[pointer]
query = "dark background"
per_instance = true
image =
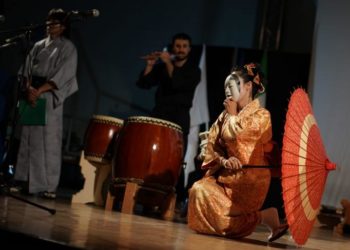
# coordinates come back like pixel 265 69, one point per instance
pixel 110 47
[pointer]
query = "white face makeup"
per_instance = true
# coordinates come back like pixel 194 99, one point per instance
pixel 232 86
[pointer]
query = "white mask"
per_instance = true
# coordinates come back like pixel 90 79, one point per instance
pixel 232 87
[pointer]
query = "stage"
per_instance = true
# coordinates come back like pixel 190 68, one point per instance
pixel 84 226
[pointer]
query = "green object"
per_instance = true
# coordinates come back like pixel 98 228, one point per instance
pixel 29 115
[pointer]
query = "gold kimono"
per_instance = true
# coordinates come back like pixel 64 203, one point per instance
pixel 227 202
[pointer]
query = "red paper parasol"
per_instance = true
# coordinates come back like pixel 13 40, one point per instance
pixel 305 167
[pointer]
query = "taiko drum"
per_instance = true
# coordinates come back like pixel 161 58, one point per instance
pixel 99 138
pixel 150 150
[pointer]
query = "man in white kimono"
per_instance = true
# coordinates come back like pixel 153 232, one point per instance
pixel 50 71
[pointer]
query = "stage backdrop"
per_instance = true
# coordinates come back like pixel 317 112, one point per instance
pixel 330 90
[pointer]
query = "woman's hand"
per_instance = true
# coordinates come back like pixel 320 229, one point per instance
pixel 231 163
pixel 230 106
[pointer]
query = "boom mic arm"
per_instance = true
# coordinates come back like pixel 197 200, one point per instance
pixel 87 13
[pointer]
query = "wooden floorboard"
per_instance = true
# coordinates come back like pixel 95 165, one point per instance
pixel 85 226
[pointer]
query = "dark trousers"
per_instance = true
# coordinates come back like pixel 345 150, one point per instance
pixel 346 229
pixel 181 191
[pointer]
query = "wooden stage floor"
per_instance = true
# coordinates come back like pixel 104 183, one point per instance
pixel 82 226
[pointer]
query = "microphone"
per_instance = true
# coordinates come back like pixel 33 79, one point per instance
pixel 2 18
pixel 15 38
pixel 87 13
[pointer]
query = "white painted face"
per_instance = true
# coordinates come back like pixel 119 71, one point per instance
pixel 232 86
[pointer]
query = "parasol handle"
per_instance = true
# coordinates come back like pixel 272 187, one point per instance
pixel 258 166
pixel 329 166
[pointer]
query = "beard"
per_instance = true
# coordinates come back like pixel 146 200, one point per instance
pixel 181 57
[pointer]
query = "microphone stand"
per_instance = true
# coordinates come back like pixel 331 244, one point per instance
pixel 4 189
pixel 25 38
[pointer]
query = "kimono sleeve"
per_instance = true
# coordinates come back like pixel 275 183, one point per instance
pixel 252 128
pixel 215 149
pixel 64 76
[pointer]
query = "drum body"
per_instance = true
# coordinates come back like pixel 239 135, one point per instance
pixel 99 138
pixel 150 150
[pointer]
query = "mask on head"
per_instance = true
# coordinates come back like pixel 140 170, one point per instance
pixel 232 87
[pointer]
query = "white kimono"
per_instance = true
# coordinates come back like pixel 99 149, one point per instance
pixel 39 156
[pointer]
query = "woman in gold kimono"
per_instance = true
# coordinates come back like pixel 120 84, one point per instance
pixel 227 200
